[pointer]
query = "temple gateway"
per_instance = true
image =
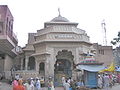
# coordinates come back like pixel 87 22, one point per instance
pixel 54 50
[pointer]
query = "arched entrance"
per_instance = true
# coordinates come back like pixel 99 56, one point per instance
pixel 42 68
pixel 31 63
pixel 63 66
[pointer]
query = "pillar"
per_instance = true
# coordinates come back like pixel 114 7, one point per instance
pixel 21 64
pixel 49 67
pixel 26 62
pixel 37 66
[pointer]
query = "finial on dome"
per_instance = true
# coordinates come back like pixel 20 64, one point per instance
pixel 59 11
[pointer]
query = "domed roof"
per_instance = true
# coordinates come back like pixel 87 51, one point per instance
pixel 59 19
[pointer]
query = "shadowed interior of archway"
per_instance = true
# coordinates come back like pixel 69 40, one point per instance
pixel 63 66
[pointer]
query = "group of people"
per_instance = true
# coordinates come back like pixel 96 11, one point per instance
pixel 70 84
pixel 104 81
pixel 29 84
pixel 107 80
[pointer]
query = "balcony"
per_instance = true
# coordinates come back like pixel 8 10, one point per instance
pixel 7 45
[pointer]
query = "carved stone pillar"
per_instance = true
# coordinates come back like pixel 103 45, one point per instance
pixel 26 62
pixel 21 64
pixel 47 68
pixel 37 66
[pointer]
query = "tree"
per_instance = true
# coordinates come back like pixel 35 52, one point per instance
pixel 116 40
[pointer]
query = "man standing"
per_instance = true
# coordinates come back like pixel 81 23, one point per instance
pixel 66 85
pixel 37 84
pixel 106 81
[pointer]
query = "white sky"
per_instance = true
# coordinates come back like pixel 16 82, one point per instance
pixel 30 15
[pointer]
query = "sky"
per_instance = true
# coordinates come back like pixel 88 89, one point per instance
pixel 30 15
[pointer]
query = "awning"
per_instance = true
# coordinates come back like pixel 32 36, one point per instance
pixel 91 68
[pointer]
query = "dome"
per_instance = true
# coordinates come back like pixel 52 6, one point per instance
pixel 59 19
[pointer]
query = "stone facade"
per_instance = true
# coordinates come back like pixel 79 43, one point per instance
pixel 51 52
pixel 8 41
pixel 104 54
pixel 55 50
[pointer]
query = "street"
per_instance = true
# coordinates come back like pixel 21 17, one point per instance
pixel 5 86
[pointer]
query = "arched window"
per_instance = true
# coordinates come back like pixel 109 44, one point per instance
pixel 31 63
pixel 24 64
pixel 41 67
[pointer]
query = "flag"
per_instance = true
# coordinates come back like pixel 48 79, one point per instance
pixel 111 68
pixel 103 70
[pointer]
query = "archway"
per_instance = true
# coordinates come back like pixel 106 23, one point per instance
pixel 31 63
pixel 41 68
pixel 63 66
pixel 24 64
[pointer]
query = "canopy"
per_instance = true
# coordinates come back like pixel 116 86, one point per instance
pixel 91 68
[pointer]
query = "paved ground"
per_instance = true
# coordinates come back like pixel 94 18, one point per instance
pixel 115 87
pixel 5 86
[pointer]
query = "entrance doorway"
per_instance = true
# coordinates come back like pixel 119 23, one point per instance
pixel 63 66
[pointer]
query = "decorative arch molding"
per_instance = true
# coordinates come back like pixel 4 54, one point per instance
pixel 65 54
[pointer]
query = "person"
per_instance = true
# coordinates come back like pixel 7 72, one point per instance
pixel 100 82
pixel 50 84
pixel 69 80
pixel 28 85
pixel 66 85
pixel 63 80
pixel 17 77
pixel 73 85
pixel 118 78
pixel 79 83
pixel 106 81
pixel 32 81
pixel 37 84
pixel 42 81
pixel 14 83
pixel 19 86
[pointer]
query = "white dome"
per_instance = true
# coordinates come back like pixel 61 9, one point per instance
pixel 59 19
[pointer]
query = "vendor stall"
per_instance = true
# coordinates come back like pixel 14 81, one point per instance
pixel 91 74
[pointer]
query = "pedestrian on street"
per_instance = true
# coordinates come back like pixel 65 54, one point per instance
pixel 106 82
pixel 37 84
pixel 15 83
pixel 118 78
pixel 79 83
pixel 63 80
pixel 28 85
pixel 100 82
pixel 19 86
pixel 50 84
pixel 67 85
pixel 42 81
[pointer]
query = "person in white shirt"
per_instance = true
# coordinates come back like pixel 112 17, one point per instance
pixel 106 81
pixel 100 81
pixel 63 80
pixel 37 84
pixel 66 85
pixel 28 85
